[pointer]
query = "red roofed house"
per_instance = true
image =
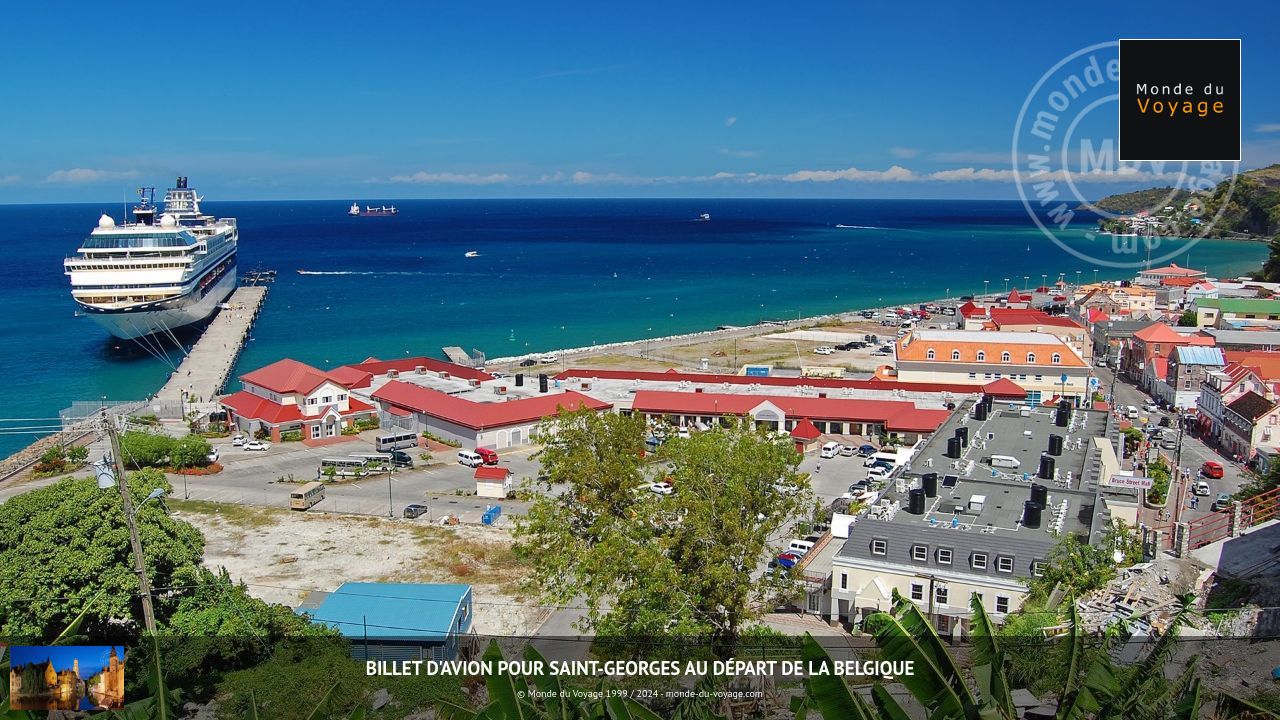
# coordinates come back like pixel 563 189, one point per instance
pixel 1154 276
pixel 1156 340
pixel 838 416
pixel 493 425
pixel 1244 373
pixel 416 365
pixel 493 481
pixel 806 435
pixel 1069 331
pixel 288 395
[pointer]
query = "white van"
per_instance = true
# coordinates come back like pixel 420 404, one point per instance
pixel 830 450
pixel 1004 461
pixel 881 457
pixel 800 547
pixel 877 473
pixel 470 458
pixel 1131 412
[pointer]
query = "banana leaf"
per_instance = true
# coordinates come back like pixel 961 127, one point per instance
pixel 829 694
pixel 929 684
pixel 503 692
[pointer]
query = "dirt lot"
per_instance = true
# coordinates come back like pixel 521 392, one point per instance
pixel 282 555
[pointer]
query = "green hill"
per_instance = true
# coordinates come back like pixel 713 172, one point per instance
pixel 1132 202
pixel 1252 209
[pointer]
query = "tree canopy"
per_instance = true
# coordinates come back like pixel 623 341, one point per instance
pixel 652 565
pixel 61 544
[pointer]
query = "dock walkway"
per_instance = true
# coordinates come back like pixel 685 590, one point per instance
pixel 204 372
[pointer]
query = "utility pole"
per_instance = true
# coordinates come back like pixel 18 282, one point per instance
pixel 135 542
pixel 1177 468
pixel 391 470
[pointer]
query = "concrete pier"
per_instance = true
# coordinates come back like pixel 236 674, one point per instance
pixel 206 369
pixel 458 356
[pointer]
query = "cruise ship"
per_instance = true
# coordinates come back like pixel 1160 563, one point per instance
pixel 160 271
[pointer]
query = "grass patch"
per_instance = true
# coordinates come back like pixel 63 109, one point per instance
pixel 239 515
pixel 1229 593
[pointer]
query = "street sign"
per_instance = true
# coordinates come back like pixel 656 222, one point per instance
pixel 1131 481
pixel 1063 378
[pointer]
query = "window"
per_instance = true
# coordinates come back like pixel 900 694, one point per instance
pixel 1039 378
pixel 844 581
pixel 955 354
pixel 978 561
pixel 986 376
pixel 1031 358
pixel 917 591
pixel 944 556
pixel 326 399
pixel 1004 563
pixel 919 553
pixel 982 356
pixel 1056 359
pixel 1037 568
pixel 973 375
pixel 1005 356
pixel 815 602
pixel 342 396
pixel 1002 604
pixel 879 547
pixel 940 594
pixel 311 401
pixel 928 355
pixel 315 431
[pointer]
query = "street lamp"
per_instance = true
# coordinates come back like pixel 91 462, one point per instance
pixel 985 283
pixel 1006 286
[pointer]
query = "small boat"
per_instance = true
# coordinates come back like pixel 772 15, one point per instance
pixel 370 211
pixel 472 253
pixel 704 217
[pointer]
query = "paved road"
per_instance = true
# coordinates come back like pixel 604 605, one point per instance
pixel 1194 454
pixel 263 479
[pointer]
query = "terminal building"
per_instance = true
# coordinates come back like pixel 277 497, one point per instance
pixel 977 510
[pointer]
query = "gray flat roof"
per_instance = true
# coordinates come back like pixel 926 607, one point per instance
pixel 979 506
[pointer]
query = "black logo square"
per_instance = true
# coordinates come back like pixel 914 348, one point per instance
pixel 1180 100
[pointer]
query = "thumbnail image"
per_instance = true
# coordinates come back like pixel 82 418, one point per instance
pixel 71 677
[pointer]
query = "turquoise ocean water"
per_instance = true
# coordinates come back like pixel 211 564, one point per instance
pixel 550 274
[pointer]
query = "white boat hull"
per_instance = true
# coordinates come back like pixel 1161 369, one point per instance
pixel 184 311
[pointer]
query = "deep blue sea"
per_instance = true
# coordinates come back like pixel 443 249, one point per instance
pixel 550 274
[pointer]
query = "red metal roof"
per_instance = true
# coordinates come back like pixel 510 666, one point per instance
pixel 1014 316
pixel 894 414
pixel 492 472
pixel 247 405
pixel 1004 388
pixel 805 430
pixel 480 415
pixel 1171 270
pixel 374 366
pixel 351 377
pixel 672 375
pixel 1161 333
pixel 288 376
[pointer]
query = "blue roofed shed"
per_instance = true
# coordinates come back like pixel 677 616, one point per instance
pixel 396 621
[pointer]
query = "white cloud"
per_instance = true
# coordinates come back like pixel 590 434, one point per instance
pixel 739 153
pixel 904 152
pixel 729 121
pixel 86 175
pixel 896 173
pixel 970 174
pixel 10 180
pixel 421 177
pixel 1267 128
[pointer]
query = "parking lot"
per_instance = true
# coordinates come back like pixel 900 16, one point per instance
pixel 265 478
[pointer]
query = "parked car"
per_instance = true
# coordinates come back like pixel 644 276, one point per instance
pixel 829 450
pixel 1222 502
pixel 866 450
pixel 1201 488
pixel 415 510
pixel 878 472
pixel 488 456
pixel 239 440
pixel 528 362
pixel 547 359
pixel 1151 407
pixel 1131 412
pixel 1165 421
pixel 823 350
pixel 213 455
pixel 786 561
pixel 1211 469
pixel 662 488
pixel 257 445
pixel 848 450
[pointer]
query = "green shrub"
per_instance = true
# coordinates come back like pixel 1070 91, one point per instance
pixel 145 449
pixel 291 436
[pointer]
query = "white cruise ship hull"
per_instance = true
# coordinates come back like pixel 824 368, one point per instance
pixel 194 307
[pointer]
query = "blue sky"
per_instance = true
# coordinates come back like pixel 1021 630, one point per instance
pixel 93 658
pixel 568 99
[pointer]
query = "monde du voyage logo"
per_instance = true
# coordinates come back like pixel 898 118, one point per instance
pixel 1179 100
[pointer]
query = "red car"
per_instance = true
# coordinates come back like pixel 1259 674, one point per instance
pixel 1211 469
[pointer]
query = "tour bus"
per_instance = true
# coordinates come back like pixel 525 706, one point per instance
pixel 345 466
pixel 397 441
pixel 377 461
pixel 306 496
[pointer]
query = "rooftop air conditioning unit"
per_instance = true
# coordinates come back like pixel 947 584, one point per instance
pixel 500 389
pixel 585 386
pixel 393 373
pixel 420 369
pixel 443 375
pixel 473 383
